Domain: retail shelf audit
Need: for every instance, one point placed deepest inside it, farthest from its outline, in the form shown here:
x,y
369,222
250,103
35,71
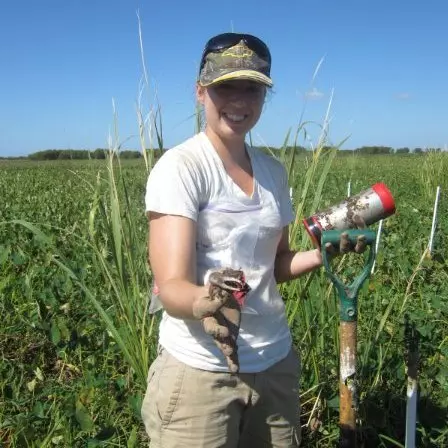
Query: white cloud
x,y
314,94
403,96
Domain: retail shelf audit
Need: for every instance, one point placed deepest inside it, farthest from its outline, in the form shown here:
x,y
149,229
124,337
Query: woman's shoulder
x,y
182,164
176,184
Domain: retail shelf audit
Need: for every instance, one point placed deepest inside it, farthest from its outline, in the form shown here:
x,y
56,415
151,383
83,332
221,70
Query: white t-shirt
x,y
233,230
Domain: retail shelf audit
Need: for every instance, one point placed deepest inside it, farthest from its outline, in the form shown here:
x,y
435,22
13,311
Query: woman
x,y
213,202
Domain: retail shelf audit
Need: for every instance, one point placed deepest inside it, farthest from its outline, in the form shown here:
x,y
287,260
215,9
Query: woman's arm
x,y
172,255
290,264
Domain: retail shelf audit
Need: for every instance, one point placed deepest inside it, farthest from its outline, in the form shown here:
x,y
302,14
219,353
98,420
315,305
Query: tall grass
x,y
118,245
432,174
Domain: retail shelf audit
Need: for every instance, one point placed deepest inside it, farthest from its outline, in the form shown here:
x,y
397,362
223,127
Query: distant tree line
x,y
365,150
78,154
99,153
390,150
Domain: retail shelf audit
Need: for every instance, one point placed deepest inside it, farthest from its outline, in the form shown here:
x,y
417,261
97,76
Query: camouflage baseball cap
x,y
236,62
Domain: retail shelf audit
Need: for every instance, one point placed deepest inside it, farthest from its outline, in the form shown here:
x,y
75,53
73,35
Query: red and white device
x,y
371,205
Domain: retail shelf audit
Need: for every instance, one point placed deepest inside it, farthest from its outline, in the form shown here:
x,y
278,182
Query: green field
x,y
76,340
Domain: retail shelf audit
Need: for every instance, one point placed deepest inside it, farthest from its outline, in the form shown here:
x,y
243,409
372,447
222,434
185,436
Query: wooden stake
x,y
347,384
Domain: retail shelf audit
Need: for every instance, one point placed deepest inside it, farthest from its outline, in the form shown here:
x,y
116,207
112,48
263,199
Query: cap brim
x,y
250,75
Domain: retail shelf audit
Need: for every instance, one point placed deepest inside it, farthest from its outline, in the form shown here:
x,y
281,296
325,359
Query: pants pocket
x,y
147,403
169,389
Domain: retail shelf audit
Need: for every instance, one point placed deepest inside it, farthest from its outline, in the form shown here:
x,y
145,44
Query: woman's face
x,y
232,108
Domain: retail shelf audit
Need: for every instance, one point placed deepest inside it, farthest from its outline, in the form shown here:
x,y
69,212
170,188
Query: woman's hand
x,y
220,311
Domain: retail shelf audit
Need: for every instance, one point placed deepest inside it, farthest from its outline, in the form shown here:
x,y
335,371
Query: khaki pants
x,y
190,408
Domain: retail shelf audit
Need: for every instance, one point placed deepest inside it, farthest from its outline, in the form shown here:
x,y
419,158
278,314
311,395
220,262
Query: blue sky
x,y
64,61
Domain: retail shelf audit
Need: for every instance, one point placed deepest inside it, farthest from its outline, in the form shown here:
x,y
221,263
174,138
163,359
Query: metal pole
x,y
412,364
434,221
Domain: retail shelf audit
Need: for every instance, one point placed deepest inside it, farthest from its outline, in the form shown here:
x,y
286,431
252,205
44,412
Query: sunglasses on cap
x,y
224,41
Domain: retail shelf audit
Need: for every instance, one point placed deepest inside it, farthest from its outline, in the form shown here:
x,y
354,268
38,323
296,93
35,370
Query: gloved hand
x,y
220,311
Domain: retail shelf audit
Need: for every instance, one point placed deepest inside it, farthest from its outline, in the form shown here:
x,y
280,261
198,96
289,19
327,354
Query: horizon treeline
x,y
100,153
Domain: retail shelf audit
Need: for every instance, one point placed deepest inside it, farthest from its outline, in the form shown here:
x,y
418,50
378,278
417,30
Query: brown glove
x,y
220,311
345,245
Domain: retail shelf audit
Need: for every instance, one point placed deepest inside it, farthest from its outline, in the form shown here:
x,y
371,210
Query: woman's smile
x,y
234,117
